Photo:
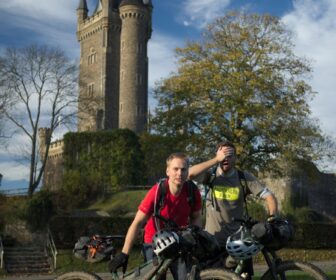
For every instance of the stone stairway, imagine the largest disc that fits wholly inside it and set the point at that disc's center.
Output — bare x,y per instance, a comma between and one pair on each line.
26,260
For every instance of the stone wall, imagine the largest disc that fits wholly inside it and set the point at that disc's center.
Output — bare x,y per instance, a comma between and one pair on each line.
308,185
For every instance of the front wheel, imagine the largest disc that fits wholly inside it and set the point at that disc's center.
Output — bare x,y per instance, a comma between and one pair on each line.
296,270
218,274
78,275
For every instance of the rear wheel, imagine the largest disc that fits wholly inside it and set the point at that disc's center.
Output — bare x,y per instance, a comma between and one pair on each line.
218,274
78,275
296,270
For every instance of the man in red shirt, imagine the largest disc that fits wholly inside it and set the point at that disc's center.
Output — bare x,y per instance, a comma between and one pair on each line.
175,208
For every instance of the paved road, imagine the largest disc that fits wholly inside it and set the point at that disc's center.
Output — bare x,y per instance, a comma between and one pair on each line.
327,266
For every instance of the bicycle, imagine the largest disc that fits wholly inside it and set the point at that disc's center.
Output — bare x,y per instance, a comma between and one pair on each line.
183,242
276,267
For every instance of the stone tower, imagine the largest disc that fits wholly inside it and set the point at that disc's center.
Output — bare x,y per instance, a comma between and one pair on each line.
44,137
113,75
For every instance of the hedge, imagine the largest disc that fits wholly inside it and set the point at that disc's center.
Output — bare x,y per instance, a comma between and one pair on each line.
67,230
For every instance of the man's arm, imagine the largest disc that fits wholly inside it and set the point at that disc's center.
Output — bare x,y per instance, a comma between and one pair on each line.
198,169
272,204
133,231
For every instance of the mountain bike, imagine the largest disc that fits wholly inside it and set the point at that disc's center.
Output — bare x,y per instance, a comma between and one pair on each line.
276,267
183,243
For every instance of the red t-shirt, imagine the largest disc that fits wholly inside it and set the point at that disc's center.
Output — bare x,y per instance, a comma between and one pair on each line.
175,208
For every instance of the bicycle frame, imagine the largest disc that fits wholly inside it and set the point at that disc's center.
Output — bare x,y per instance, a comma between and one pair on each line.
155,273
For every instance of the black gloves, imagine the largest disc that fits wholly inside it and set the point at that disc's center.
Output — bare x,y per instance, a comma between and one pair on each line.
120,260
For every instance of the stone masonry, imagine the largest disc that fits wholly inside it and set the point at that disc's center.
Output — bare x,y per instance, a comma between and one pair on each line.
113,78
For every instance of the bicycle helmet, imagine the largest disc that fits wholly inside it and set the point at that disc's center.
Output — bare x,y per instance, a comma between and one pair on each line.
242,246
165,243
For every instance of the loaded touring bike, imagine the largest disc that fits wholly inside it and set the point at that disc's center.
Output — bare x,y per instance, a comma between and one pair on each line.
169,244
243,245
203,254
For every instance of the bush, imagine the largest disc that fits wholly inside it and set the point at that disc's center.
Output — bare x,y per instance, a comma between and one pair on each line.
39,211
98,161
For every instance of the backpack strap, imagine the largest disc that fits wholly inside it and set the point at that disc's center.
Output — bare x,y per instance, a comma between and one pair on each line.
243,183
191,193
160,196
209,183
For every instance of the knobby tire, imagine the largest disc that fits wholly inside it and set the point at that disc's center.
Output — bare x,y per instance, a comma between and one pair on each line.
218,274
307,269
78,275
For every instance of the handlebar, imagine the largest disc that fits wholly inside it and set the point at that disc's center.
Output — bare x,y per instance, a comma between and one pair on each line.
247,222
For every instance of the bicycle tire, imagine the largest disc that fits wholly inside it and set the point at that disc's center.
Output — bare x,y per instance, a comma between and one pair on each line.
295,267
78,275
218,274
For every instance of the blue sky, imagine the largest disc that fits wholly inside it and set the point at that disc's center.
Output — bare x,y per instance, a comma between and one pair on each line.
313,22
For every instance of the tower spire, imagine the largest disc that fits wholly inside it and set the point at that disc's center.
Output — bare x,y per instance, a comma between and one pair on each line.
82,5
82,11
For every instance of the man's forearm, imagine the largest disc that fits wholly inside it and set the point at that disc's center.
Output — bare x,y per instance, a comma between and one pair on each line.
198,169
131,235
272,204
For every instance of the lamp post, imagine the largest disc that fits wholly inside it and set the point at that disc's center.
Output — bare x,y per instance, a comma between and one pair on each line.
0,178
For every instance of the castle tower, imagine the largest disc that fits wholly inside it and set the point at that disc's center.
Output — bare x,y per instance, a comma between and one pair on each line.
44,137
113,75
135,32
99,38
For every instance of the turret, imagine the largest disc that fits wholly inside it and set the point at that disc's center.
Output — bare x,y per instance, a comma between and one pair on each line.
82,11
44,138
136,20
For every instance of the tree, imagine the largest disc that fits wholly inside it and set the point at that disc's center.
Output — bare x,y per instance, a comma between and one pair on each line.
41,84
241,83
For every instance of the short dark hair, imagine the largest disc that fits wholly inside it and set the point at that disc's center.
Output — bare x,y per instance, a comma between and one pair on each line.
177,155
226,144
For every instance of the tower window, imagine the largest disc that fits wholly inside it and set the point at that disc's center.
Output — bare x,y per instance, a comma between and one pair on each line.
139,79
121,107
92,57
91,89
139,48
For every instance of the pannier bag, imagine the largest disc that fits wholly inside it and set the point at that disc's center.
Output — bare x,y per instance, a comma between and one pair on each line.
95,248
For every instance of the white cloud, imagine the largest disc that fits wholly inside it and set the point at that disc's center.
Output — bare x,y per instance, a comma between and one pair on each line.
199,13
161,56
314,24
13,171
41,10
161,59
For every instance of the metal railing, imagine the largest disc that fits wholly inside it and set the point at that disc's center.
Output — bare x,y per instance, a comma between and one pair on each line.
1,254
50,246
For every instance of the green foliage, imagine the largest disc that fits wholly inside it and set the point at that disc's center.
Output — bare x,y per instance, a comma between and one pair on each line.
256,209
305,215
11,209
39,210
156,149
97,161
115,205
242,83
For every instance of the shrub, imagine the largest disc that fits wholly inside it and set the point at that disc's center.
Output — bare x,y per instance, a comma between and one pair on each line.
39,211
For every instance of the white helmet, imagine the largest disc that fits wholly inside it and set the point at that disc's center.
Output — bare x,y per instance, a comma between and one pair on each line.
165,242
242,246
